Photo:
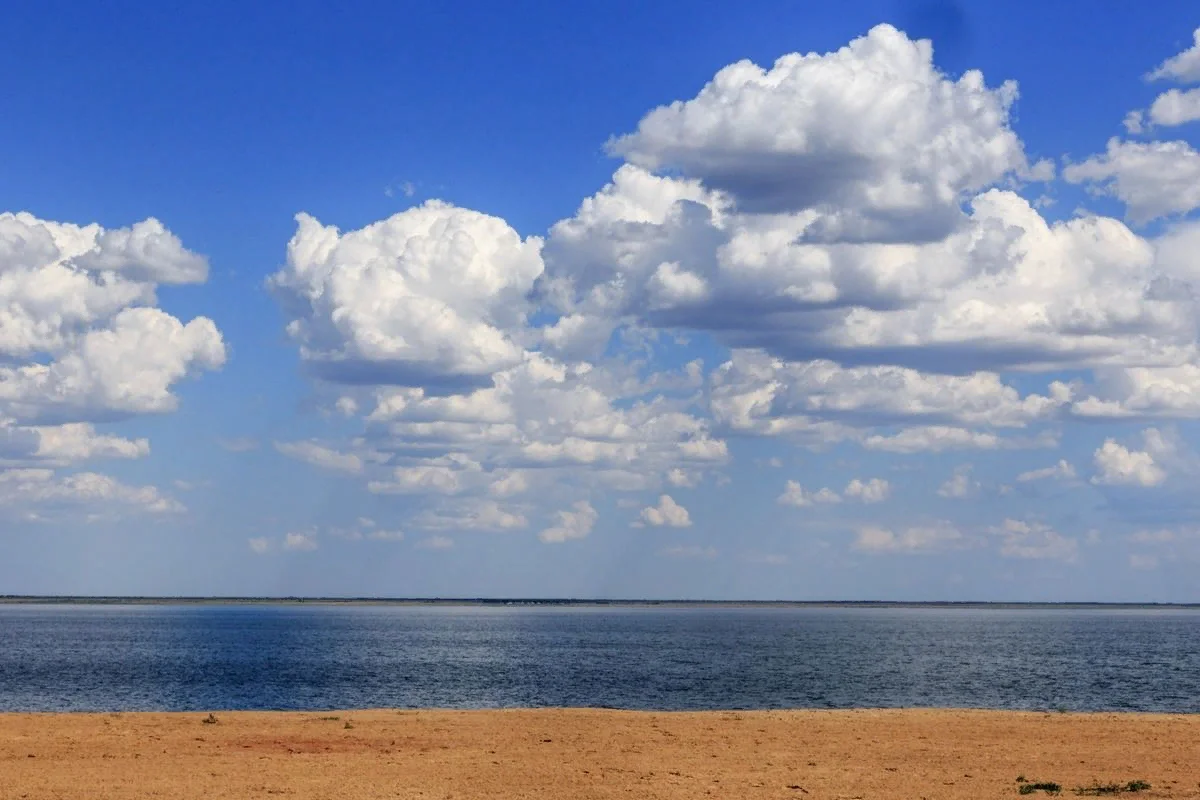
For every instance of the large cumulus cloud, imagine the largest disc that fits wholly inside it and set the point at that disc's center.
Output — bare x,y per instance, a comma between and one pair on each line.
81,342
872,134
1008,289
432,295
850,232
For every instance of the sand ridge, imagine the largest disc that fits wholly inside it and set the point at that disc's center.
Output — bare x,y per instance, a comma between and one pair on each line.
583,753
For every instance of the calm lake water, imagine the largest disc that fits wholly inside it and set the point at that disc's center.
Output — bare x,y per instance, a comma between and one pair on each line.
318,657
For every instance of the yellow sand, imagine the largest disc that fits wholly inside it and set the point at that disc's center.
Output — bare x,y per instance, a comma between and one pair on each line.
566,754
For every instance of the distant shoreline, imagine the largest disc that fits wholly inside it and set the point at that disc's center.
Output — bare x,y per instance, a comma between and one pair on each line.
563,602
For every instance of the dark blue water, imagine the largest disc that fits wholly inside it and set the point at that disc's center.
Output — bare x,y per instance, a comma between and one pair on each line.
287,657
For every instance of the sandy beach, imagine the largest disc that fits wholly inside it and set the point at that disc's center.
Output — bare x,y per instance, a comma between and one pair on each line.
591,754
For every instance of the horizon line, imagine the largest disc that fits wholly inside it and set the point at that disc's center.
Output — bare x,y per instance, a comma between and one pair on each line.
562,601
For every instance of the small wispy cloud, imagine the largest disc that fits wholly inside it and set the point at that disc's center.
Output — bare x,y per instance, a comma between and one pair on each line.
320,456
690,551
770,559
436,542
300,542
405,188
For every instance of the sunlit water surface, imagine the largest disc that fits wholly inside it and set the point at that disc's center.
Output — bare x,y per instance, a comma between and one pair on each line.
315,657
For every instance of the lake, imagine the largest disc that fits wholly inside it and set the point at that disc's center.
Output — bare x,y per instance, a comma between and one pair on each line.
200,657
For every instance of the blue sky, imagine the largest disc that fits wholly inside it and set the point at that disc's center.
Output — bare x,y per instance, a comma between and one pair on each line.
887,300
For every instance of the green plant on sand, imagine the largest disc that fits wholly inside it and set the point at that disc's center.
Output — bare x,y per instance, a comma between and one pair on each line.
1098,789
1049,787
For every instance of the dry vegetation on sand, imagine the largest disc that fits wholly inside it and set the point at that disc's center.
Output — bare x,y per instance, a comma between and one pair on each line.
567,754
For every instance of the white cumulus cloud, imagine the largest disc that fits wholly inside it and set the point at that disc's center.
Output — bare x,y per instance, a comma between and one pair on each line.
960,484
839,130
875,490
573,523
846,229
796,495
431,295
1117,464
81,492
1175,107
913,539
1183,66
1061,471
666,512
81,344
1152,179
